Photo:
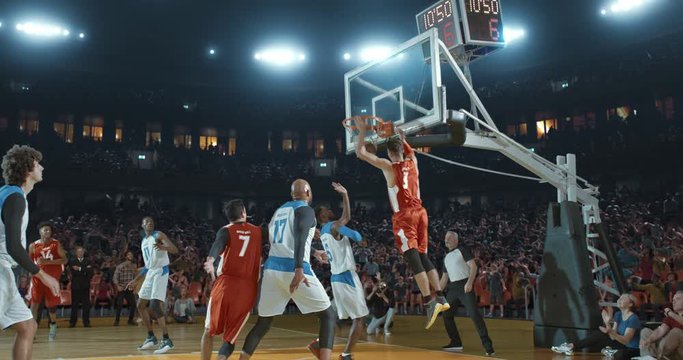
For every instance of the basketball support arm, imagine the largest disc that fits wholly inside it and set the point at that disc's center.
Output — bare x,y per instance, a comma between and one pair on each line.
561,175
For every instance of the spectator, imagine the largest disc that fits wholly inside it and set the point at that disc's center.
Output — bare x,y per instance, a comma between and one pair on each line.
401,295
183,310
496,287
667,340
655,292
380,302
371,268
622,333
125,273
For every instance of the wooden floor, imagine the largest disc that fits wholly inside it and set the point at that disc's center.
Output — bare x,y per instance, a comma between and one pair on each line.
287,340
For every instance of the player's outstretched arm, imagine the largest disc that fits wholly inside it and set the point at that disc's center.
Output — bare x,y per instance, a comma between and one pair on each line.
166,244
339,226
346,208
304,220
407,149
363,154
12,214
219,244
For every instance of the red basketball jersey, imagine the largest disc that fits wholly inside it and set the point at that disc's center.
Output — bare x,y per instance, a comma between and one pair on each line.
49,251
242,255
406,192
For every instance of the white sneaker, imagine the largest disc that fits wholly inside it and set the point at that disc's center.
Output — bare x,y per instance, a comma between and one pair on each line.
563,348
646,357
387,333
608,352
164,346
150,342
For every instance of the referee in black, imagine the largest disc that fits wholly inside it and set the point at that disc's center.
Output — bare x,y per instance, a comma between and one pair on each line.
459,273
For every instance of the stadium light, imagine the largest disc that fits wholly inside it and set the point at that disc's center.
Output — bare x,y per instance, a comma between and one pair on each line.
81,35
375,53
622,6
513,34
280,56
42,29
347,56
212,52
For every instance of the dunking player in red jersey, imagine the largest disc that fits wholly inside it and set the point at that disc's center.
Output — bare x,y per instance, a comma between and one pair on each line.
234,293
50,257
410,218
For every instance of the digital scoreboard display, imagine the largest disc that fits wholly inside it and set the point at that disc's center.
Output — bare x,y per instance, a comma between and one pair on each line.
482,22
442,16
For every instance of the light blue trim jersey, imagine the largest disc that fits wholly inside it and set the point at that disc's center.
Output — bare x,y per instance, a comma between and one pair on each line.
5,192
154,258
281,235
339,252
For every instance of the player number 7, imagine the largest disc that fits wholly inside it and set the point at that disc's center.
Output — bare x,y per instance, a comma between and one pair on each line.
246,239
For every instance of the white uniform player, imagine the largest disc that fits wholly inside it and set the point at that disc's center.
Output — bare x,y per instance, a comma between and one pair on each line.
279,268
156,266
347,289
12,307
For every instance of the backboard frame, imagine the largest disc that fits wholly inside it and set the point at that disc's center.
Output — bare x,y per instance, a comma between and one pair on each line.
438,115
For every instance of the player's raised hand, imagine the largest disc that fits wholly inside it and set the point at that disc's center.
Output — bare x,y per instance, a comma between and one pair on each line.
339,188
321,255
298,278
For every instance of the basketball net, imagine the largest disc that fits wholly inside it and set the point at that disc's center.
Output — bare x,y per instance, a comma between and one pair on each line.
371,123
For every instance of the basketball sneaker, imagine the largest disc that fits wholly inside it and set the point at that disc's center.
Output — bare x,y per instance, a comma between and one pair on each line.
452,347
433,309
563,348
52,334
164,347
150,342
444,303
609,352
314,348
345,357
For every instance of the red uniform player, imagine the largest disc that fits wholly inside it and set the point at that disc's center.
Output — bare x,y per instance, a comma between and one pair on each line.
50,257
410,218
234,293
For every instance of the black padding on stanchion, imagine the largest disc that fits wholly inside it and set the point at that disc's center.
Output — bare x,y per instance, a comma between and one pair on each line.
566,307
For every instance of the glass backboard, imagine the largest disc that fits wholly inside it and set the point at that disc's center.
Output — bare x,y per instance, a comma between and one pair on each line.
405,88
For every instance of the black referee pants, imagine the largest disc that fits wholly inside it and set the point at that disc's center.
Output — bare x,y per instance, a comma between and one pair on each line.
456,295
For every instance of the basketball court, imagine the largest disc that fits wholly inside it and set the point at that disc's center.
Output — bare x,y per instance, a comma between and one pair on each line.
513,339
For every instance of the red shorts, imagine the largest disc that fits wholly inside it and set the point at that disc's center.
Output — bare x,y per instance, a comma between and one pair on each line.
410,229
40,292
231,302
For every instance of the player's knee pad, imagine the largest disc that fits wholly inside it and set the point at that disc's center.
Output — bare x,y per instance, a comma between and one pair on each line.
426,262
412,258
156,308
328,320
226,349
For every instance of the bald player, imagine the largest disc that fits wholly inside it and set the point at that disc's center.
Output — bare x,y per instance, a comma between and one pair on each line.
291,231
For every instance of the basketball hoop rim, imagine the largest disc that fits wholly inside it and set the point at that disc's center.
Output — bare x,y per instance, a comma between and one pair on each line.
383,129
